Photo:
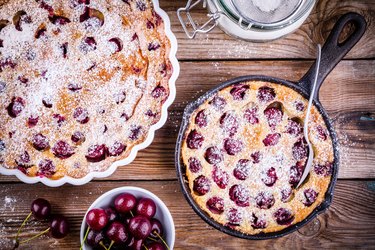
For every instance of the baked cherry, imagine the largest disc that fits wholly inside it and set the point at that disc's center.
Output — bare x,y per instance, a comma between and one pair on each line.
2,86
120,97
194,165
41,209
96,153
139,227
264,200
322,134
135,132
286,194
299,150
213,155
271,139
59,20
294,127
81,115
146,207
94,238
16,106
256,156
59,226
40,142
24,160
215,205
269,177
153,46
59,119
242,169
274,116
78,137
201,185
220,177
32,121
310,197
295,174
299,106
92,13
19,18
283,216
41,31
97,219
257,222
116,149
251,115
117,44
240,195
88,44
218,102
74,87
201,119
117,233
47,102
2,145
233,146
266,94
234,217
159,91
323,169
238,91
194,140
62,149
229,123
125,202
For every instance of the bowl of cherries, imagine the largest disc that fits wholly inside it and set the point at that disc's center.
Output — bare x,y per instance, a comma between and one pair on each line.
128,218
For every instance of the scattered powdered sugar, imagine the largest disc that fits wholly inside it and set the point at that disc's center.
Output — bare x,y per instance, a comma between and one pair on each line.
9,204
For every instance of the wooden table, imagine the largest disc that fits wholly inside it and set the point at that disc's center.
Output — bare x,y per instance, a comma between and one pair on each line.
348,94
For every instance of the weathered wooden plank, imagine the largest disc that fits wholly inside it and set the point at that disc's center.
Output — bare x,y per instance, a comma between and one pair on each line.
348,95
349,222
300,44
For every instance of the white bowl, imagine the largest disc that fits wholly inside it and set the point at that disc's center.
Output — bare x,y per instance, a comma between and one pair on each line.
162,212
133,153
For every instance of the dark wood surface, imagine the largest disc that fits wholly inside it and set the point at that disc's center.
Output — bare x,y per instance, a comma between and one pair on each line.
348,95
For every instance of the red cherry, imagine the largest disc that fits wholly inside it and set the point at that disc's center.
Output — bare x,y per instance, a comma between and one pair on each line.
32,121
201,185
322,134
81,115
116,149
125,202
283,216
16,107
215,205
159,91
78,137
59,20
194,140
40,142
310,197
264,200
234,217
294,128
201,119
229,123
251,115
146,207
256,156
41,209
96,153
213,155
323,169
218,102
299,150
274,116
257,222
140,227
194,165
286,194
220,177
59,227
233,146
238,91
269,178
271,139
117,233
97,219
266,94
240,195
62,149
117,42
242,169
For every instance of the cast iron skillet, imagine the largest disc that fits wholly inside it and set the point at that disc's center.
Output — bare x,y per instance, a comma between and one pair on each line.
332,52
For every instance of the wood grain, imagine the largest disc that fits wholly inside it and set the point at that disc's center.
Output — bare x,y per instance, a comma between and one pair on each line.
348,94
300,44
350,220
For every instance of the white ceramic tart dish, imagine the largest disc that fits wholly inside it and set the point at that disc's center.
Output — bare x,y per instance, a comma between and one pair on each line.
84,85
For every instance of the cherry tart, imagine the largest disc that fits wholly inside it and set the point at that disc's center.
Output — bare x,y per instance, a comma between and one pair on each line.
81,83
245,153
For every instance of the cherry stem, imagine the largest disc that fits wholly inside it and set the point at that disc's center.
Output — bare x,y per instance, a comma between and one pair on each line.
101,243
144,246
23,224
84,238
161,238
150,238
35,236
109,248
131,213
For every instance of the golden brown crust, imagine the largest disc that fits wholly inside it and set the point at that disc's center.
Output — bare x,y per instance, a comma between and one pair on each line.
280,157
49,56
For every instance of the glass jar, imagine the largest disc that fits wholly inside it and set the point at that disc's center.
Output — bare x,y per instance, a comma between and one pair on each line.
226,15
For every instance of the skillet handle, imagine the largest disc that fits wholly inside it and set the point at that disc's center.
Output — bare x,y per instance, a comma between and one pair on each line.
333,51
